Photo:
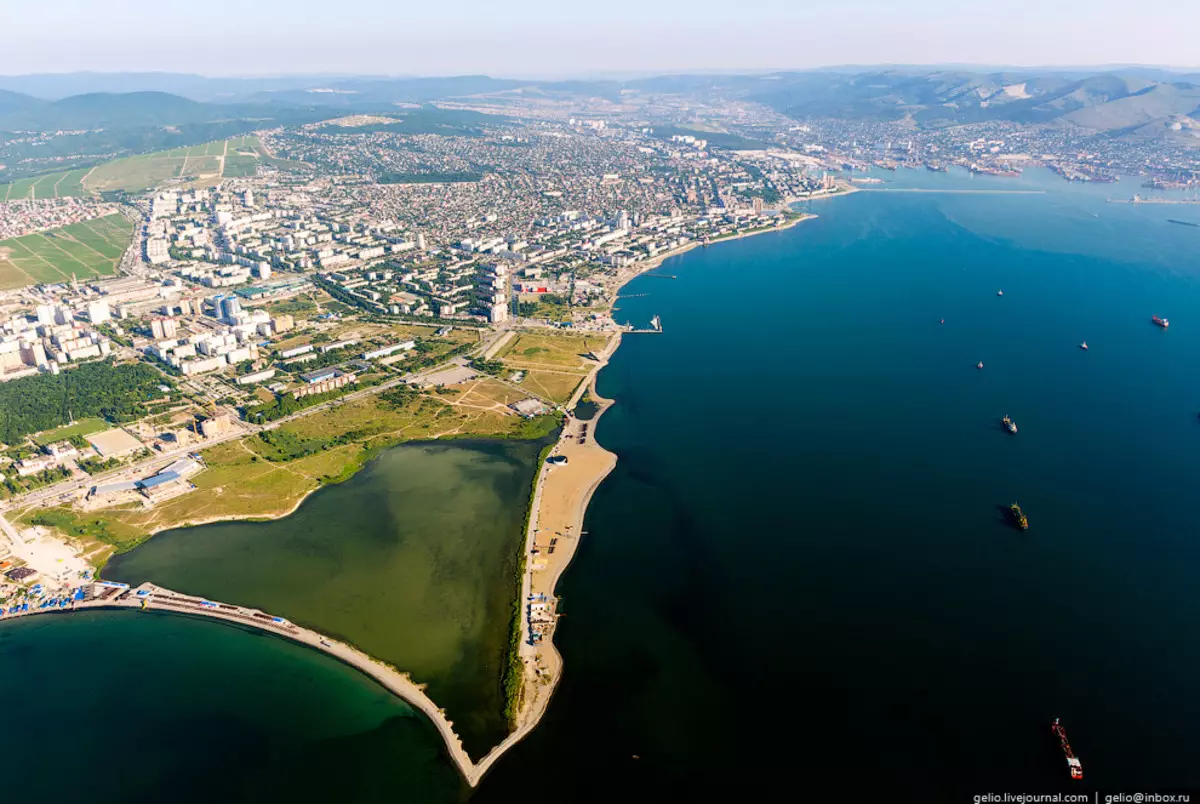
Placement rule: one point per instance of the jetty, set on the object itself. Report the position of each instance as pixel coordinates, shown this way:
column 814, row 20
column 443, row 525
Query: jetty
column 655, row 328
column 1137, row 199
column 151, row 598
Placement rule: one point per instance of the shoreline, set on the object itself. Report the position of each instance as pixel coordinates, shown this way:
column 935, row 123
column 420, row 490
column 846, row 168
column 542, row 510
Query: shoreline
column 625, row 277
column 571, row 487
column 155, row 599
column 543, row 664
column 373, row 453
column 560, row 500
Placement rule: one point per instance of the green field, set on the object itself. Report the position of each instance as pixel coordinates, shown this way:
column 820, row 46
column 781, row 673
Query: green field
column 253, row 478
column 209, row 162
column 237, row 166
column 86, row 249
column 79, row 428
column 63, row 184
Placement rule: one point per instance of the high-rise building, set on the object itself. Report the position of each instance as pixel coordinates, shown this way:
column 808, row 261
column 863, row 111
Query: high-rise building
column 229, row 307
column 162, row 328
column 98, row 312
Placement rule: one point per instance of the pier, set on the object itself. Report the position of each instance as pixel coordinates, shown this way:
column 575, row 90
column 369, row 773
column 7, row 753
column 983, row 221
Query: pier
column 1137, row 199
column 654, row 329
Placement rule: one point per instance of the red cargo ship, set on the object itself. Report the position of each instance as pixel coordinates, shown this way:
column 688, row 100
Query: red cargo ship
column 1162, row 322
column 1072, row 761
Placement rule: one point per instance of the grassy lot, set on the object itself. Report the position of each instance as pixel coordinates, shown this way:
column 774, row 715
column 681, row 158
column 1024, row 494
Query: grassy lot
column 86, row 249
column 61, row 184
column 146, row 171
column 298, row 306
column 487, row 394
column 537, row 350
column 557, row 386
column 237, row 166
column 201, row 166
column 256, row 477
column 138, row 173
column 80, row 428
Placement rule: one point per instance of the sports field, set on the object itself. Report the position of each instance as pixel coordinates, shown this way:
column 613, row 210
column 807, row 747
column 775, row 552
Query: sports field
column 86, row 249
column 204, row 165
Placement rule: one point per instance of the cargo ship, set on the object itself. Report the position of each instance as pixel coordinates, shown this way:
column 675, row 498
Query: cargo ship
column 1073, row 763
column 1010, row 425
column 1019, row 517
column 1162, row 322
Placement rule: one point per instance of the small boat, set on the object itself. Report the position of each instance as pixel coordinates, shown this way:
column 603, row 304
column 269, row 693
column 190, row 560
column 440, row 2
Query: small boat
column 1162, row 322
column 1019, row 517
column 1009, row 425
column 979, row 365
column 1073, row 763
column 943, row 321
column 999, row 292
column 1083, row 346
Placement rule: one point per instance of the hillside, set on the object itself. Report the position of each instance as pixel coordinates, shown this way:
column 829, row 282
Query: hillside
column 1116, row 102
column 133, row 110
column 1153, row 103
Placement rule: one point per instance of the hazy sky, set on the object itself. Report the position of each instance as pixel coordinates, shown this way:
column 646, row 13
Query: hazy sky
column 568, row 37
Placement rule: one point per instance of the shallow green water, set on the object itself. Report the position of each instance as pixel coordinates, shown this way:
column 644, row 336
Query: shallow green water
column 413, row 560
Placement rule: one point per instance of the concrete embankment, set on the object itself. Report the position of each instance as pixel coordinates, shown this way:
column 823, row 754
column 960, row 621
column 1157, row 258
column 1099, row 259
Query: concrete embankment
column 149, row 597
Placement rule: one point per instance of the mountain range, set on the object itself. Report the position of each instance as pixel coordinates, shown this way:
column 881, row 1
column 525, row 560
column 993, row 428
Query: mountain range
column 1134, row 102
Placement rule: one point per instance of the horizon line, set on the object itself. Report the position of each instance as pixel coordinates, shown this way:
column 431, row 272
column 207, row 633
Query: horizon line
column 618, row 74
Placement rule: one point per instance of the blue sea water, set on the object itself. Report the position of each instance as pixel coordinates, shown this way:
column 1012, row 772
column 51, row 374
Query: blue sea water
column 801, row 575
column 800, row 582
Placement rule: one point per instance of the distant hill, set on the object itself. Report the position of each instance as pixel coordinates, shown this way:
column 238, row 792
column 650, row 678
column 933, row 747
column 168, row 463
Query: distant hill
column 125, row 111
column 1113, row 103
column 1135, row 102
column 14, row 103
column 55, row 86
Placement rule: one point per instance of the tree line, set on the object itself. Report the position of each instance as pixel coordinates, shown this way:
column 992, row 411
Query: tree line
column 116, row 393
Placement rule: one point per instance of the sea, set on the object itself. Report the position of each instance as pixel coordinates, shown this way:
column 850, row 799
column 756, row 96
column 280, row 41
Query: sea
column 801, row 582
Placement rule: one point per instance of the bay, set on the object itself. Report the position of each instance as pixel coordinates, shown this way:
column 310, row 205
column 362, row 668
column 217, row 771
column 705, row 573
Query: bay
column 108, row 705
column 800, row 582
column 801, row 576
